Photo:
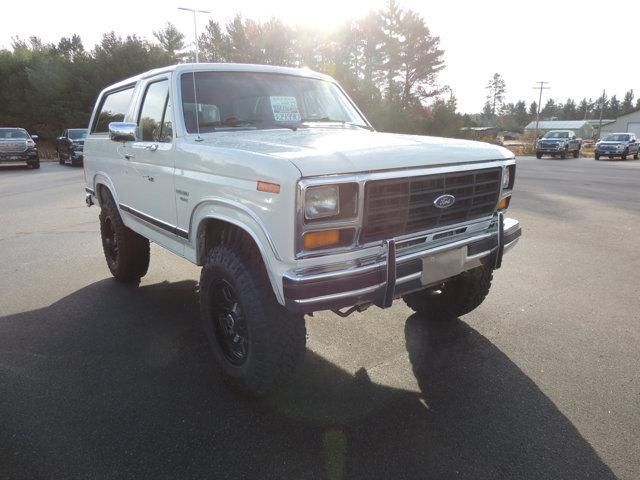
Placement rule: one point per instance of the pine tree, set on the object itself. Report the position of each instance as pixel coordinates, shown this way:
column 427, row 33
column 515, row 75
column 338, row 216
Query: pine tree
column 495, row 96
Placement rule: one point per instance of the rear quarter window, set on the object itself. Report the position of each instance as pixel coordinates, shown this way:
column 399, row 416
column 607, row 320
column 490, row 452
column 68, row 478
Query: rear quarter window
column 113, row 108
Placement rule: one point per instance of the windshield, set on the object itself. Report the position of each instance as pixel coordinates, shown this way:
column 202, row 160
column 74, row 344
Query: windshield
column 13, row 133
column 557, row 135
column 78, row 133
column 616, row 138
column 229, row 100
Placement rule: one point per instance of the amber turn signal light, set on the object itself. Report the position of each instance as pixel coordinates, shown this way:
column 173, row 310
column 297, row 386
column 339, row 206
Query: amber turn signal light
column 325, row 238
column 504, row 203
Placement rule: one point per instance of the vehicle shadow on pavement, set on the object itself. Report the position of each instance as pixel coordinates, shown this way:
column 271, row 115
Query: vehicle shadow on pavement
column 117, row 381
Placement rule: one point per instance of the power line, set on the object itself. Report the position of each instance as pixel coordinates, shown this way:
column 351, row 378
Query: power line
column 541, row 87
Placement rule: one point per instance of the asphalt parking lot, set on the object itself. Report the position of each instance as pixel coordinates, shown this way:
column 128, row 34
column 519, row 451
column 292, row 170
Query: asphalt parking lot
column 100, row 380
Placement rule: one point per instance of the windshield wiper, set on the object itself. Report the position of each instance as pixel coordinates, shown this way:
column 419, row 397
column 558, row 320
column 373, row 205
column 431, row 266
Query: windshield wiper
column 229, row 122
column 332, row 120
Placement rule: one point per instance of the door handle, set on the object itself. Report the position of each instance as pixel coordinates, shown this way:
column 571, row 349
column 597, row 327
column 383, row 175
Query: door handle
column 148, row 177
column 153, row 147
column 128, row 156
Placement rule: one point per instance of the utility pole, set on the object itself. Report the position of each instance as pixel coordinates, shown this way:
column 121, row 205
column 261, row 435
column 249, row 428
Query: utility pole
column 195, row 27
column 541, row 86
column 601, row 110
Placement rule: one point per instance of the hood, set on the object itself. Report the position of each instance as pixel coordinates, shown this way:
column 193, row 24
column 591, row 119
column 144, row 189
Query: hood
column 326, row 151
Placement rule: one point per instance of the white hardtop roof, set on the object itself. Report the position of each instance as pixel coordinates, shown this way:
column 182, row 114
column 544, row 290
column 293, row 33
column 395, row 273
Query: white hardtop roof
column 223, row 67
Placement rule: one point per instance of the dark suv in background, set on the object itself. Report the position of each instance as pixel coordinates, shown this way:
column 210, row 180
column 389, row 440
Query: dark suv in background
column 70, row 145
column 16, row 145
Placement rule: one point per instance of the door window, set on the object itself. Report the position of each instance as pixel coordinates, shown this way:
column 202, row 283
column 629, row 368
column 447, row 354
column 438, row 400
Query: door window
column 113, row 109
column 154, row 121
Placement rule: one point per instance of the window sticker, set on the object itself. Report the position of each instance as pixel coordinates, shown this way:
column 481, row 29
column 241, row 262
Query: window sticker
column 285, row 109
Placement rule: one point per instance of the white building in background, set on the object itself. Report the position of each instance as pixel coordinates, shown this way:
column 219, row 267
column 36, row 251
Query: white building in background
column 629, row 122
column 582, row 128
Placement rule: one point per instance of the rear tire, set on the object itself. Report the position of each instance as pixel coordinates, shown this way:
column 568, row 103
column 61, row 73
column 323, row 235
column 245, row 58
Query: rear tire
column 454, row 298
column 126, row 252
column 597, row 156
column 256, row 341
column 635, row 157
column 60, row 159
column 576, row 153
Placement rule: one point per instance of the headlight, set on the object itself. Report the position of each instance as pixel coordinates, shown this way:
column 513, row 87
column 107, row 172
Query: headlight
column 506, row 177
column 322, row 201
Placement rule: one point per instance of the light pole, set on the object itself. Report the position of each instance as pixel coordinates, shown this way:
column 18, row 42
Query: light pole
column 195, row 26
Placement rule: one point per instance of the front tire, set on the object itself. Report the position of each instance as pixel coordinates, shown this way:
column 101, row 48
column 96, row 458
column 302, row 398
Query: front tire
column 35, row 164
column 126, row 252
column 255, row 340
column 597, row 156
column 538, row 155
column 624, row 154
column 576, row 153
column 635, row 157
column 455, row 297
column 563, row 154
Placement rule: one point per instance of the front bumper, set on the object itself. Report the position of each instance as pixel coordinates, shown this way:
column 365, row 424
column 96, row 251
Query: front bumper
column 547, row 149
column 379, row 280
column 608, row 151
column 26, row 156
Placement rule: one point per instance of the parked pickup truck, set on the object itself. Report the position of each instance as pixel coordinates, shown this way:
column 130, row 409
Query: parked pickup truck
column 559, row 143
column 16, row 145
column 618, row 145
column 274, row 182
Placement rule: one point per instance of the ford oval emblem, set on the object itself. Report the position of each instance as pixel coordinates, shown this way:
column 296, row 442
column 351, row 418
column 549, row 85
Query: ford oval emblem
column 444, row 201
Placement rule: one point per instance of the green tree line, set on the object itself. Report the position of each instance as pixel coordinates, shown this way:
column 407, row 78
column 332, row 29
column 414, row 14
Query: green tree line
column 388, row 61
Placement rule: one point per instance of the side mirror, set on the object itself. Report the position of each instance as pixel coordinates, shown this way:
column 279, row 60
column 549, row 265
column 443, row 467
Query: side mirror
column 122, row 131
column 34, row 137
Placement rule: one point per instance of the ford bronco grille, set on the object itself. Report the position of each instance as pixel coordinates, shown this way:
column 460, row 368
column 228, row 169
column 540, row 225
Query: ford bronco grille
column 402, row 206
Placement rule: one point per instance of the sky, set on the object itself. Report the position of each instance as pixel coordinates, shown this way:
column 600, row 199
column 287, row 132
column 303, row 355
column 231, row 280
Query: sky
column 556, row 41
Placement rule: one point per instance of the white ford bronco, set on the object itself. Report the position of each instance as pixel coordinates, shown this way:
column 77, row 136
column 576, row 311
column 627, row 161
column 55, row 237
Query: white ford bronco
column 274, row 182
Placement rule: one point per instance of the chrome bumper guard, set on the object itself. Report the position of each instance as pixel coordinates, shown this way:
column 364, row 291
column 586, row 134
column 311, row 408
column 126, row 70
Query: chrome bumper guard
column 379, row 280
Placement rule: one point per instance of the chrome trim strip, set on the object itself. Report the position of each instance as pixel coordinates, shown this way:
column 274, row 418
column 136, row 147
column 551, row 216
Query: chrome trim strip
column 154, row 221
column 408, row 278
column 445, row 247
column 337, row 296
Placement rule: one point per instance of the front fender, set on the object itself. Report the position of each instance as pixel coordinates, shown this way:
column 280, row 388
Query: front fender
column 241, row 216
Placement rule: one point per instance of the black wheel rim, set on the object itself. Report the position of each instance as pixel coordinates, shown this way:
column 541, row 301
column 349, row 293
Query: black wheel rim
column 110, row 241
column 229, row 323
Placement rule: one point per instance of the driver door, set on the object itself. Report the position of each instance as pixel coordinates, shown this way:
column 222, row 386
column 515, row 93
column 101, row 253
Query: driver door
column 150, row 169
